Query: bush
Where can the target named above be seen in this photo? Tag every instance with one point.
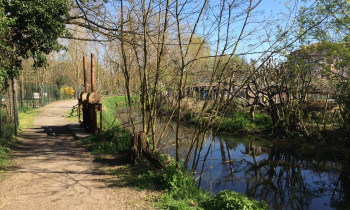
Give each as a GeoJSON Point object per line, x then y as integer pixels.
{"type": "Point", "coordinates": [233, 200]}
{"type": "Point", "coordinates": [7, 130]}
{"type": "Point", "coordinates": [4, 157]}
{"type": "Point", "coordinates": [181, 191]}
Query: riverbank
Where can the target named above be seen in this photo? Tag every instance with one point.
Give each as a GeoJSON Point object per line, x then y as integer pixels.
{"type": "Point", "coordinates": [240, 122]}
{"type": "Point", "coordinates": [176, 186]}
{"type": "Point", "coordinates": [253, 164]}
{"type": "Point", "coordinates": [173, 186]}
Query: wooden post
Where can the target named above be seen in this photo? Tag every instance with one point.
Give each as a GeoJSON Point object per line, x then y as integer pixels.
{"type": "Point", "coordinates": [100, 118]}
{"type": "Point", "coordinates": [14, 103]}
{"type": "Point", "coordinates": [85, 72]}
{"type": "Point", "coordinates": [92, 73]}
{"type": "Point", "coordinates": [79, 105]}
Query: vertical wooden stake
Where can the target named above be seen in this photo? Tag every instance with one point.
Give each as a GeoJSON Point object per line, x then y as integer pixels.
{"type": "Point", "coordinates": [100, 118]}
{"type": "Point", "coordinates": [85, 73]}
{"type": "Point", "coordinates": [92, 73]}
{"type": "Point", "coordinates": [79, 105]}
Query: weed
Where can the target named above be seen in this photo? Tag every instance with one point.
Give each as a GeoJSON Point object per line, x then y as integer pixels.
{"type": "Point", "coordinates": [233, 200]}
{"type": "Point", "coordinates": [4, 157]}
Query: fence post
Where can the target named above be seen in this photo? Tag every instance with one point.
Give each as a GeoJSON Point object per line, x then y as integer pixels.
{"type": "Point", "coordinates": [14, 104]}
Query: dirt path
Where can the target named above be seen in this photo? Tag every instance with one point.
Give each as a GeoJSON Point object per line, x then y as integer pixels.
{"type": "Point", "coordinates": [51, 171]}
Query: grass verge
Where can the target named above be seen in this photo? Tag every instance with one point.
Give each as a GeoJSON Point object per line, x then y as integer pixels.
{"type": "Point", "coordinates": [72, 115]}
{"type": "Point", "coordinates": [26, 118]}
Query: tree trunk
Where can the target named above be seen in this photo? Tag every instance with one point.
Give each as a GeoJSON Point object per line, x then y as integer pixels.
{"type": "Point", "coordinates": [140, 149]}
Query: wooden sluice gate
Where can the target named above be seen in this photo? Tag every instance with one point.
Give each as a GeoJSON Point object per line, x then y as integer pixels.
{"type": "Point", "coordinates": [89, 103]}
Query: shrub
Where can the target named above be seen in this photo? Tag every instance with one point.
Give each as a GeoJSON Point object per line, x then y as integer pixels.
{"type": "Point", "coordinates": [4, 157]}
{"type": "Point", "coordinates": [181, 191]}
{"type": "Point", "coordinates": [233, 200]}
{"type": "Point", "coordinates": [111, 141]}
{"type": "Point", "coordinates": [7, 130]}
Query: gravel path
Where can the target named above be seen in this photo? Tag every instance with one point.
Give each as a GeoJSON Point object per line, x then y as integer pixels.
{"type": "Point", "coordinates": [51, 171]}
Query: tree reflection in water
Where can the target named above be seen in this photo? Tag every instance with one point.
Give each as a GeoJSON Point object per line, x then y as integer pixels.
{"type": "Point", "coordinates": [278, 173]}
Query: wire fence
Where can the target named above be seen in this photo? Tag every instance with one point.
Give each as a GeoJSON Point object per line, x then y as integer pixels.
{"type": "Point", "coordinates": [21, 97]}
{"type": "Point", "coordinates": [34, 96]}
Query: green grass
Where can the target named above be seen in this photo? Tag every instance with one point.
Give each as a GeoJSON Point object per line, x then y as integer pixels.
{"type": "Point", "coordinates": [72, 115]}
{"type": "Point", "coordinates": [108, 114]}
{"type": "Point", "coordinates": [110, 105]}
{"type": "Point", "coordinates": [27, 117]}
{"type": "Point", "coordinates": [5, 157]}
{"type": "Point", "coordinates": [240, 121]}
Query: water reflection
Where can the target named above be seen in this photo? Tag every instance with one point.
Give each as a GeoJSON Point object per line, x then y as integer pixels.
{"type": "Point", "coordinates": [285, 175]}
{"type": "Point", "coordinates": [274, 173]}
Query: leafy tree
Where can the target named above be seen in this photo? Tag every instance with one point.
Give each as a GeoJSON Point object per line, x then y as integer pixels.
{"type": "Point", "coordinates": [29, 29]}
{"type": "Point", "coordinates": [329, 19]}
{"type": "Point", "coordinates": [333, 31]}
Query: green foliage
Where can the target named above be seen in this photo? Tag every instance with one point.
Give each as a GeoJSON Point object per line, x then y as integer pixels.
{"type": "Point", "coordinates": [6, 138]}
{"type": "Point", "coordinates": [237, 122]}
{"type": "Point", "coordinates": [111, 141]}
{"type": "Point", "coordinates": [330, 24]}
{"type": "Point", "coordinates": [325, 20]}
{"type": "Point", "coordinates": [110, 104]}
{"type": "Point", "coordinates": [4, 157]}
{"type": "Point", "coordinates": [29, 29]}
{"type": "Point", "coordinates": [241, 121]}
{"type": "Point", "coordinates": [181, 191]}
{"type": "Point", "coordinates": [233, 200]}
{"type": "Point", "coordinates": [38, 25]}
{"type": "Point", "coordinates": [174, 178]}
{"type": "Point", "coordinates": [6, 130]}
{"type": "Point", "coordinates": [343, 99]}
{"type": "Point", "coordinates": [114, 138]}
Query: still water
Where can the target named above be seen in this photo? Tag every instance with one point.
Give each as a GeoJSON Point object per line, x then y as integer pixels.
{"type": "Point", "coordinates": [285, 175]}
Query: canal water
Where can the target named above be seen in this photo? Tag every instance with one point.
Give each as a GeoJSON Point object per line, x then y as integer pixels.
{"type": "Point", "coordinates": [285, 175]}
